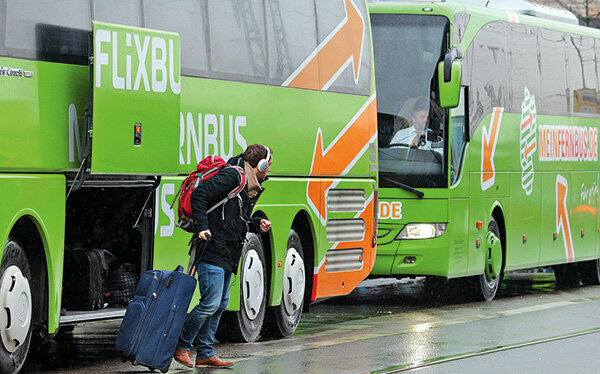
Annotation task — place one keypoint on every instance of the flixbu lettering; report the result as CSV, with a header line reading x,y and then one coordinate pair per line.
x,y
135,74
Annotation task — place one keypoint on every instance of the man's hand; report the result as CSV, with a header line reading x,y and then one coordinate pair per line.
x,y
204,234
265,225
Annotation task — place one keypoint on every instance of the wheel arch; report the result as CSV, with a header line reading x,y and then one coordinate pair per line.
x,y
497,211
303,226
28,229
267,242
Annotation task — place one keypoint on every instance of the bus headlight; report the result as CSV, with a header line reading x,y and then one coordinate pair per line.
x,y
422,231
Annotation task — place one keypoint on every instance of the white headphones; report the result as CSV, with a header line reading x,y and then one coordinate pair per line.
x,y
263,164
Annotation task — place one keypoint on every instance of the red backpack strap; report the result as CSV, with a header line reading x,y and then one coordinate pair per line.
x,y
236,191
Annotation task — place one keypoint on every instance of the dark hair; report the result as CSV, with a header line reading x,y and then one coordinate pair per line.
x,y
254,153
421,104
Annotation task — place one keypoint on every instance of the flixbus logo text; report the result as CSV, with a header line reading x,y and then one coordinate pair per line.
x,y
135,61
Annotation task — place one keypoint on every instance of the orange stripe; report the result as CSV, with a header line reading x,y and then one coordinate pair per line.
x,y
529,149
488,147
527,122
586,208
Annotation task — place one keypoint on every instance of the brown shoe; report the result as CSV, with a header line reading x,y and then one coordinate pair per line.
x,y
183,357
213,361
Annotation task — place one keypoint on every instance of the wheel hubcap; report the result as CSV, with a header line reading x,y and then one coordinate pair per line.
x,y
293,281
253,287
493,261
15,308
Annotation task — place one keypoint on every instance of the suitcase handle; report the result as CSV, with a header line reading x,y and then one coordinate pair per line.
x,y
178,268
191,270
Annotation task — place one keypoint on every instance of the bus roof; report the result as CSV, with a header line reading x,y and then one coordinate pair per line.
x,y
516,6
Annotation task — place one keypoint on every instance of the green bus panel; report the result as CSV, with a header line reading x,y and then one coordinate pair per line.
x,y
135,100
45,197
27,145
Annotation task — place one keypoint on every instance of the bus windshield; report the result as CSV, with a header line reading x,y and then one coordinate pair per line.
x,y
411,125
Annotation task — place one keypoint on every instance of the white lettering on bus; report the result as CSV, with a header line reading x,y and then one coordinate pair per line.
x,y
141,51
118,82
165,206
587,194
162,53
209,136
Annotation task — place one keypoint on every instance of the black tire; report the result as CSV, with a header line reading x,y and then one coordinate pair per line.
x,y
566,275
14,255
589,272
436,288
486,285
245,325
282,320
443,290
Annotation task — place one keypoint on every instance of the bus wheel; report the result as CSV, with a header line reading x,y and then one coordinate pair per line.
x,y
281,320
245,324
489,281
15,308
566,275
589,272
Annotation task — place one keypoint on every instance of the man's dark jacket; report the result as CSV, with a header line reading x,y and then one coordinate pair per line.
x,y
229,223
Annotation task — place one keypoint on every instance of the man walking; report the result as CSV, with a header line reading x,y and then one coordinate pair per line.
x,y
227,227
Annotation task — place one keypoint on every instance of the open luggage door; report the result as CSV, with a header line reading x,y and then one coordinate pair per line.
x,y
136,83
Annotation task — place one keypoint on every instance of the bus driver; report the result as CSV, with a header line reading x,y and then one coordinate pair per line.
x,y
410,136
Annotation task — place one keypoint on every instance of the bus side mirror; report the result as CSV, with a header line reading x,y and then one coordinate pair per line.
x,y
449,75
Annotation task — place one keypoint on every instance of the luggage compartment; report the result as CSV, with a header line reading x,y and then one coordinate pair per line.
x,y
114,214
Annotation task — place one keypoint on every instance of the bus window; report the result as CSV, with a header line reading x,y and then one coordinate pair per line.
x,y
121,12
2,26
461,21
328,18
458,137
411,126
291,37
581,72
34,28
489,88
523,63
237,40
188,19
552,96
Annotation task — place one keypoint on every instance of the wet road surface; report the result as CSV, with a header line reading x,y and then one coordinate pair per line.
x,y
390,326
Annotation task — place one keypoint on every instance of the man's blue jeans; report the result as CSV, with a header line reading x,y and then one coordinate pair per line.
x,y
201,323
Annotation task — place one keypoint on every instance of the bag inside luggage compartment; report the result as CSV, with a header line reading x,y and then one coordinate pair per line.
x,y
107,221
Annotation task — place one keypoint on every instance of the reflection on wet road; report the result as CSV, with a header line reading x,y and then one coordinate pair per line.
x,y
383,325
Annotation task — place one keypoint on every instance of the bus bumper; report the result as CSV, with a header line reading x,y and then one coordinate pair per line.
x,y
413,258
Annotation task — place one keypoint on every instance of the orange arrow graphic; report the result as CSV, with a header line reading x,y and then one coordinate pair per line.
x,y
562,218
341,155
342,47
489,139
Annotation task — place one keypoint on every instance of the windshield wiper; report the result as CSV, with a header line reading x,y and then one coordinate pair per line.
x,y
405,187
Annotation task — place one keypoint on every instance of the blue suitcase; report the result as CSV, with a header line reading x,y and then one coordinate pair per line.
x,y
154,318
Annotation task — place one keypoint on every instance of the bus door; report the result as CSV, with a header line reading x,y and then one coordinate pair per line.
x,y
136,83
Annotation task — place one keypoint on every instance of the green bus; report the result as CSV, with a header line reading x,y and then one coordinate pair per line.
x,y
503,172
107,105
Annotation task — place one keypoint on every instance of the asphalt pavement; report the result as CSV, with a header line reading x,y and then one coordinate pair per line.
x,y
387,325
